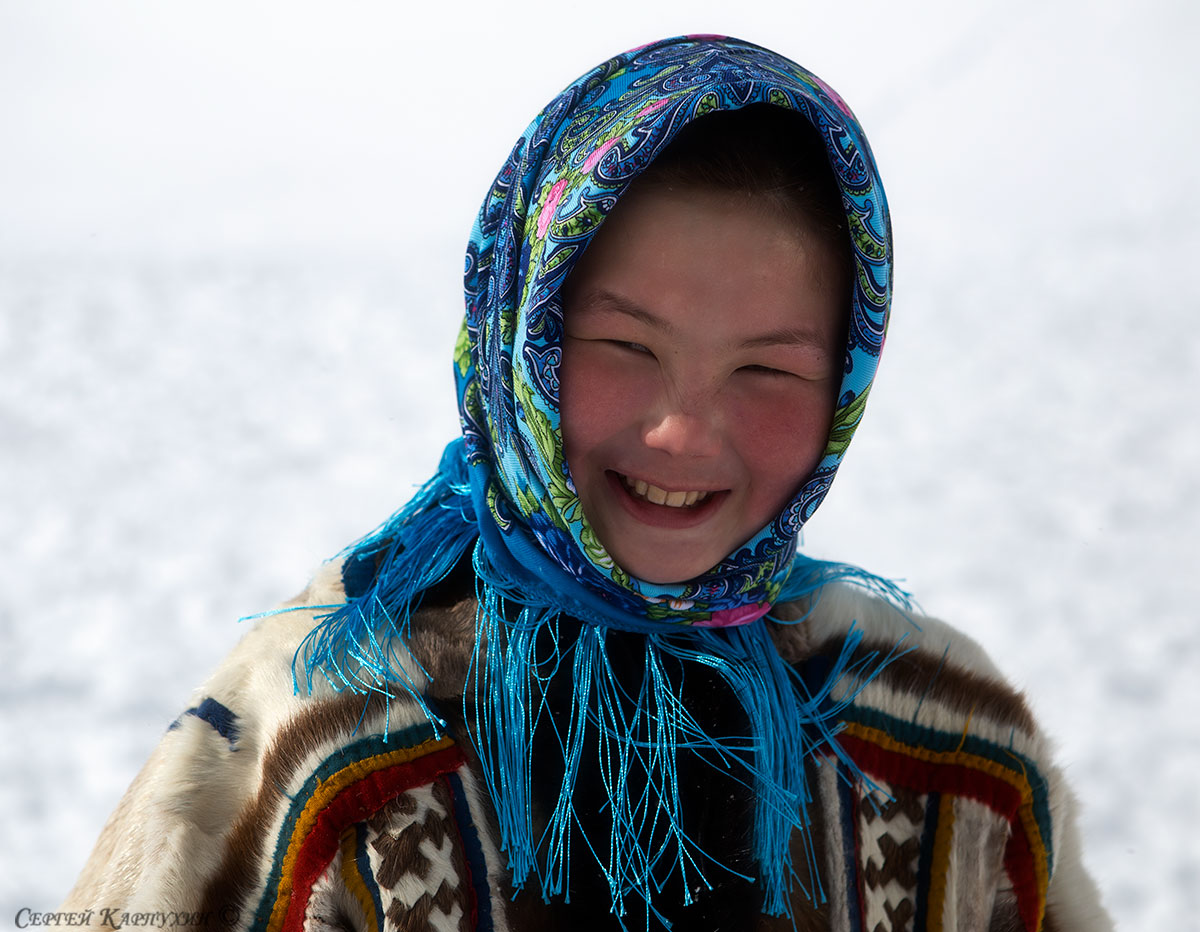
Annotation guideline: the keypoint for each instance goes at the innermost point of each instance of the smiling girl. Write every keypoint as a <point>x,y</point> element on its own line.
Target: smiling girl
<point>584,677</point>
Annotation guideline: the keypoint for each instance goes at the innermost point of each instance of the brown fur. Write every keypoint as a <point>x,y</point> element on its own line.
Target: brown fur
<point>443,642</point>
<point>328,721</point>
<point>919,673</point>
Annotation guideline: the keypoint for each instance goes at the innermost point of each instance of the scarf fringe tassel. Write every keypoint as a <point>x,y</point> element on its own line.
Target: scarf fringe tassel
<point>635,740</point>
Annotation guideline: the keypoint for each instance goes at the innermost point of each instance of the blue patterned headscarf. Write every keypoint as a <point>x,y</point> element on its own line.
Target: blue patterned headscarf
<point>504,488</point>
<point>565,173</point>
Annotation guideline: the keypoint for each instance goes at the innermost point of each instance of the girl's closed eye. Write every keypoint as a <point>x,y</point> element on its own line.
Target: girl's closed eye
<point>804,372</point>
<point>616,343</point>
<point>756,369</point>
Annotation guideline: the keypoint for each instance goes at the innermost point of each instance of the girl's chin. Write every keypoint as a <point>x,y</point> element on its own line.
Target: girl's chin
<point>652,568</point>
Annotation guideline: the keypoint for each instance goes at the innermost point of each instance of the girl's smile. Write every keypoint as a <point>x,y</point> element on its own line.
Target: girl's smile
<point>647,491</point>
<point>659,507</point>
<point>700,367</point>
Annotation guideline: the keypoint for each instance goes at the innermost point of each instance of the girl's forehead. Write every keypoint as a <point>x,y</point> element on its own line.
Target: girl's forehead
<point>678,261</point>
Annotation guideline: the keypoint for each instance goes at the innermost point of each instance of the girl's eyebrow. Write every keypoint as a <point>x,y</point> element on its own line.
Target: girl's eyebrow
<point>789,336</point>
<point>603,300</point>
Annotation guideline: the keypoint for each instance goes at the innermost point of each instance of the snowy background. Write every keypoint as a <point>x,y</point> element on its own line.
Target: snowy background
<point>230,250</point>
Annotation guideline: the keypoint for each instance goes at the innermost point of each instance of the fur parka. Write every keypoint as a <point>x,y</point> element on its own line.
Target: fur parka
<point>264,808</point>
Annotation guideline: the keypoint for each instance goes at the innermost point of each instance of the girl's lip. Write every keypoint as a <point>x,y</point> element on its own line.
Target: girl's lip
<point>664,516</point>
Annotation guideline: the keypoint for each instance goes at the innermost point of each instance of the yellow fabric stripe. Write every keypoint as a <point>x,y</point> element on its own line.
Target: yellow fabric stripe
<point>322,796</point>
<point>965,759</point>
<point>939,868</point>
<point>353,878</point>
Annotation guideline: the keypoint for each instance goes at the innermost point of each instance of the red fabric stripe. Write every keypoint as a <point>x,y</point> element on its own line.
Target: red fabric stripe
<point>1018,861</point>
<point>928,777</point>
<point>358,801</point>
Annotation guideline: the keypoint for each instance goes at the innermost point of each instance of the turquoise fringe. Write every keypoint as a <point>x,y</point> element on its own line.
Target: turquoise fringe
<point>361,646</point>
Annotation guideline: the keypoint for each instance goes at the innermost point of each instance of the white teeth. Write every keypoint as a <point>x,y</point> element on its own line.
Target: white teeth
<point>653,493</point>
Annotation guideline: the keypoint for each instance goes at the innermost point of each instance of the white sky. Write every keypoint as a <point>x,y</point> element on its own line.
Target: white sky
<point>138,125</point>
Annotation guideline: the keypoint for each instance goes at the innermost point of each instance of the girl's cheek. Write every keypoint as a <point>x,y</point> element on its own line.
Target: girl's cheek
<point>782,428</point>
<point>600,389</point>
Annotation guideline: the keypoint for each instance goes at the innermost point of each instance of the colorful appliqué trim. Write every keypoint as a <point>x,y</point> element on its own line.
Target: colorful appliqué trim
<point>962,765</point>
<point>348,787</point>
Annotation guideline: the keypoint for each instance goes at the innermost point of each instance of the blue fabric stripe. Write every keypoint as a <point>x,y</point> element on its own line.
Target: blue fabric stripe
<point>473,852</point>
<point>363,861</point>
<point>221,718</point>
<point>847,813</point>
<point>925,859</point>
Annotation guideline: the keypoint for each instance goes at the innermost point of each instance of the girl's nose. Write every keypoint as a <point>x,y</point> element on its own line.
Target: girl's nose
<point>680,432</point>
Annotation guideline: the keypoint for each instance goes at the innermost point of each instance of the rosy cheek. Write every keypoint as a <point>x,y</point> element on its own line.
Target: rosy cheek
<point>782,429</point>
<point>598,395</point>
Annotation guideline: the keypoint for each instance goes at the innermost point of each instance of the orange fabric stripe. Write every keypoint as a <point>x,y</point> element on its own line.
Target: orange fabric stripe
<point>353,879</point>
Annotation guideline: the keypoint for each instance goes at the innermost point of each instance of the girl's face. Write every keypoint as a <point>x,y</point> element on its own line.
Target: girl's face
<point>702,358</point>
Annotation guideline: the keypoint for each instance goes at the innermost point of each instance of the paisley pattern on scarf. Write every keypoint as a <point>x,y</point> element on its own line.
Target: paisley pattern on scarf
<point>563,176</point>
